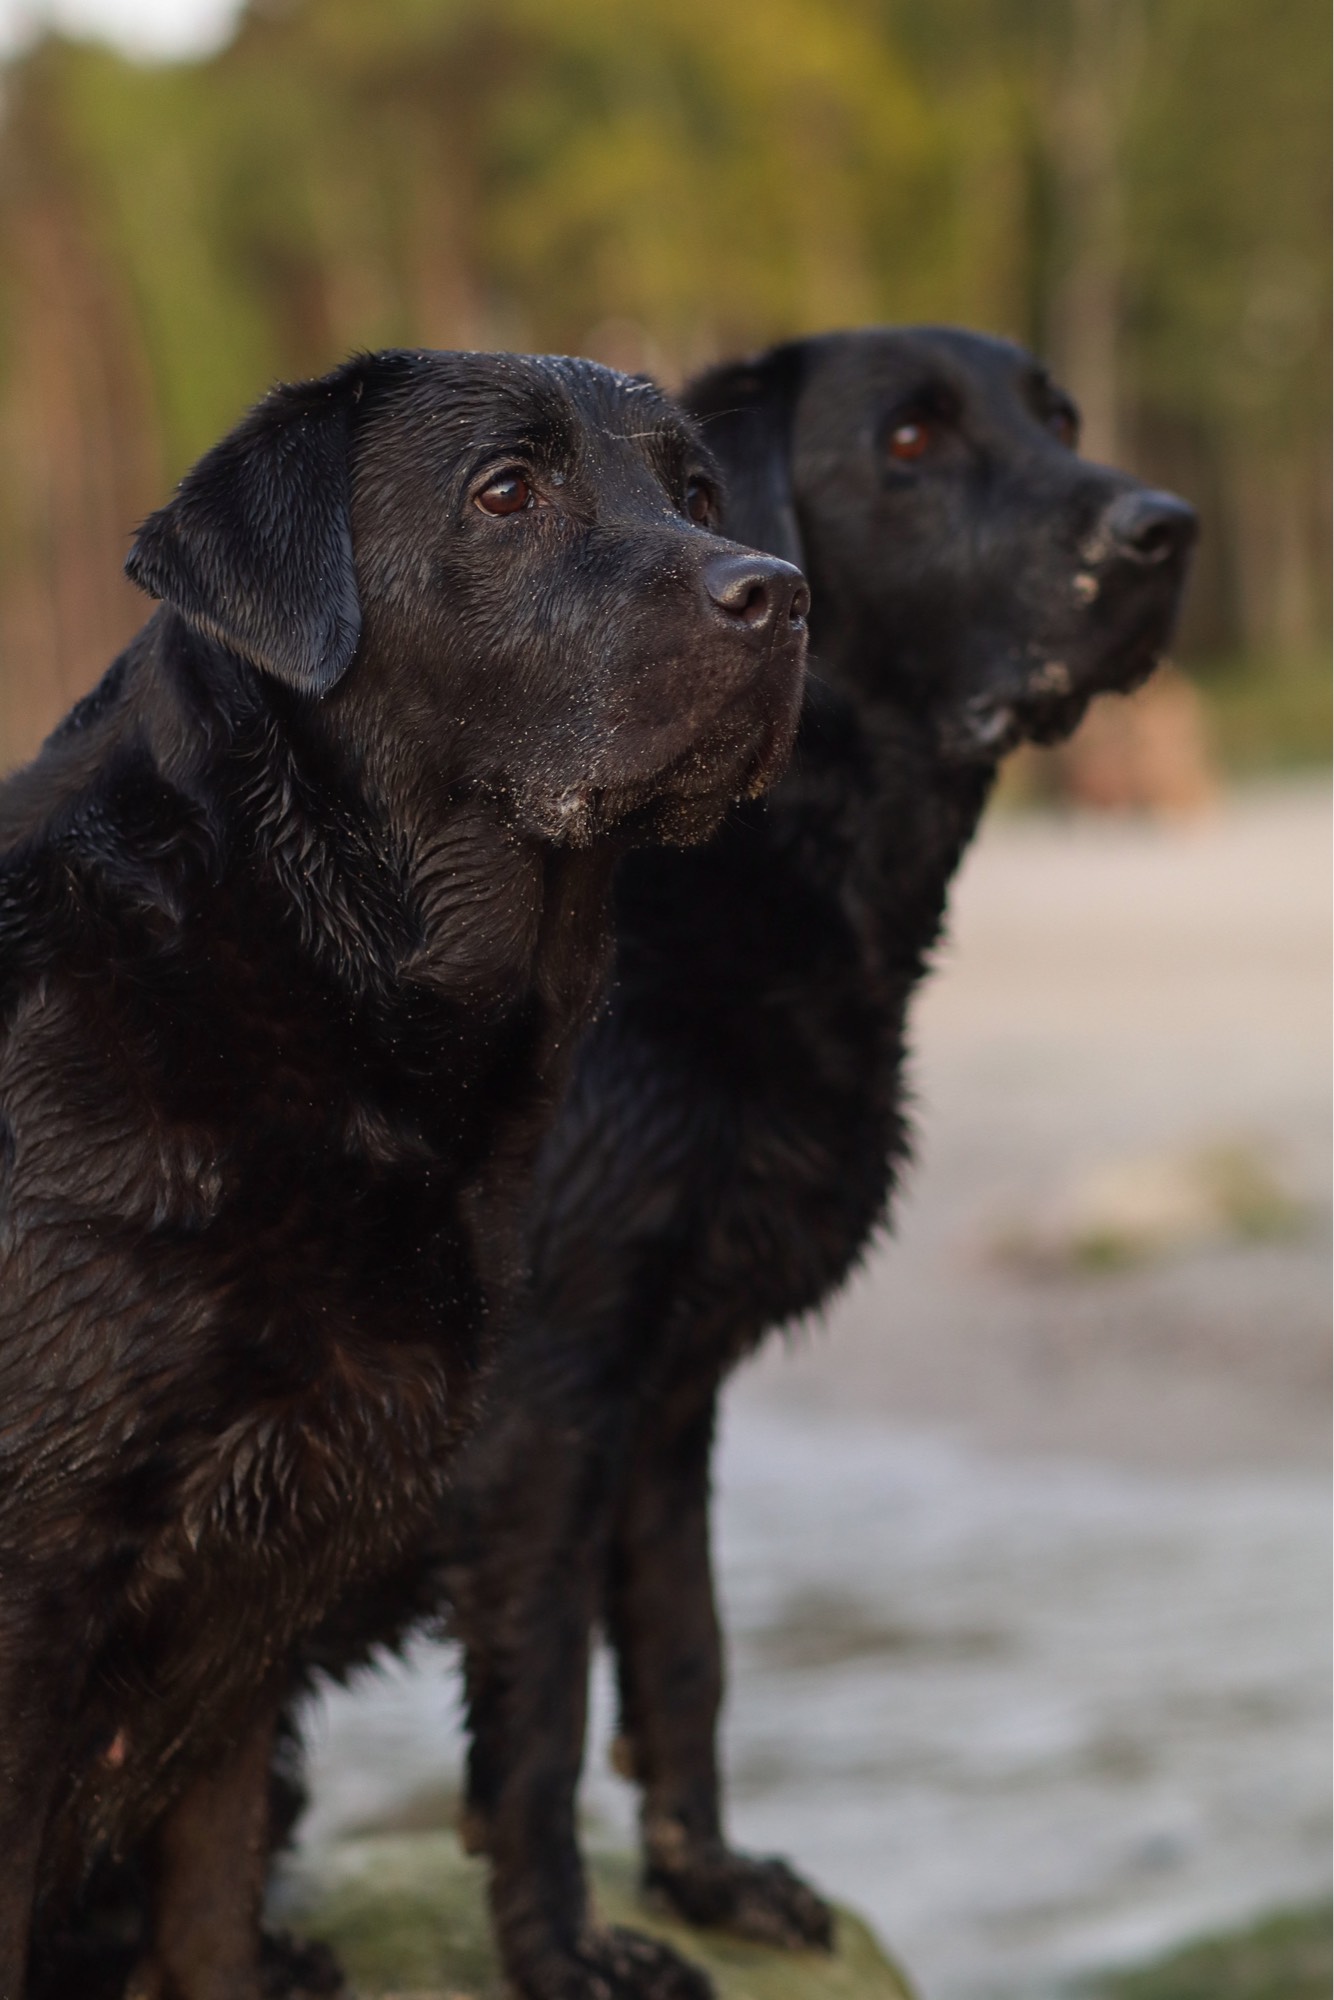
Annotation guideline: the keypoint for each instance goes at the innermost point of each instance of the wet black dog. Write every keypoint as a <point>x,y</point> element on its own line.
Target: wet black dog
<point>298,913</point>
<point>736,1121</point>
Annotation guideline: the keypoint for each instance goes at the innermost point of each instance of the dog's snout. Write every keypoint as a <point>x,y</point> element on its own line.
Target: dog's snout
<point>1148,527</point>
<point>759,592</point>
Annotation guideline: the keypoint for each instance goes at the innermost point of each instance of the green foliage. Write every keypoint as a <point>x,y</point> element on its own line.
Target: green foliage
<point>1271,714</point>
<point>720,175</point>
<point>662,182</point>
<point>684,169</point>
<point>1230,216</point>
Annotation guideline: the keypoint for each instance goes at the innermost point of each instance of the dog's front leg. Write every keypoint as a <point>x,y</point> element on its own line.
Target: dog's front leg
<point>34,1715</point>
<point>664,1625</point>
<point>210,1862</point>
<point>525,1606</point>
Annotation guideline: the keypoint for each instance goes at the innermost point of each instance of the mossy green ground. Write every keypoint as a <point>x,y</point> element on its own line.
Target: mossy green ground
<point>406,1914</point>
<point>1287,1957</point>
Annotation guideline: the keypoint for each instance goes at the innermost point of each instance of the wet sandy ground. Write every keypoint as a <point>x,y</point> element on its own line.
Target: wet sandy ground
<point>1113,993</point>
<point>1026,1562</point>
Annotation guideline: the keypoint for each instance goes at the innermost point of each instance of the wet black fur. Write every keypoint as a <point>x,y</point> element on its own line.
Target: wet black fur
<point>300,912</point>
<point>736,1123</point>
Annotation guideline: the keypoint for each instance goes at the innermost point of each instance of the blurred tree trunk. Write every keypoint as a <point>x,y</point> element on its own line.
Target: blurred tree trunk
<point>78,436</point>
<point>1280,548</point>
<point>1092,84</point>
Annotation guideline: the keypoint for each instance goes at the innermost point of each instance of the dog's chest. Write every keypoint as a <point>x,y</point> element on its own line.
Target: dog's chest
<point>333,1310</point>
<point>355,1286</point>
<point>300,1498</point>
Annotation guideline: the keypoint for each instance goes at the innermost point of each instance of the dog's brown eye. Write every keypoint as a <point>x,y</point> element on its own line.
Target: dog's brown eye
<point>910,440</point>
<point>699,502</point>
<point>1064,426</point>
<point>509,494</point>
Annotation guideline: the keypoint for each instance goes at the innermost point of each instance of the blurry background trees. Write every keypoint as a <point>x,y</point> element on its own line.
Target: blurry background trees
<point>1139,188</point>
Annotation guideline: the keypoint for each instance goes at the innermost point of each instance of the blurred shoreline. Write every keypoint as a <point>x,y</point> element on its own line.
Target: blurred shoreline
<point>1120,1001</point>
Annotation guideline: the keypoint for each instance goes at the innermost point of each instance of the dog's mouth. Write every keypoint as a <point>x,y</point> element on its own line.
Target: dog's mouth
<point>676,790</point>
<point>989,726</point>
<point>683,799</point>
<point>1045,701</point>
<point>681,803</point>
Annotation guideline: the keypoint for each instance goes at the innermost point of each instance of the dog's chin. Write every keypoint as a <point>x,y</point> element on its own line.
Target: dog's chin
<point>980,732</point>
<point>1046,708</point>
<point>1049,722</point>
<point>1048,719</point>
<point>740,764</point>
<point>681,801</point>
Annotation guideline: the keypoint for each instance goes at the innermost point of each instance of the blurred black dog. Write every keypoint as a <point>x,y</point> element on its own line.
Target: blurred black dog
<point>736,1120</point>
<point>298,912</point>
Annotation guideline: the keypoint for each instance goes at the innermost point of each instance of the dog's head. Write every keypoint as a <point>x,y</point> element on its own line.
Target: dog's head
<point>496,571</point>
<point>964,559</point>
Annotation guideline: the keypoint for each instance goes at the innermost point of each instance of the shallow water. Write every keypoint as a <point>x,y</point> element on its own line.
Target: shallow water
<point>1031,1718</point>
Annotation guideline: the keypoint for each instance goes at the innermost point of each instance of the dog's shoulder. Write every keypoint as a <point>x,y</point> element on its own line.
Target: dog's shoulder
<point>101,857</point>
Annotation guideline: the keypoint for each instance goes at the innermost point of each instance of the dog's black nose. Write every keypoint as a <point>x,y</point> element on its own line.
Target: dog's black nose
<point>758,591</point>
<point>1147,527</point>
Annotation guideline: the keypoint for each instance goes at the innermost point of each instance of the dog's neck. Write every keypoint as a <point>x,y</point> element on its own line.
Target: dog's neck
<point>400,878</point>
<point>907,814</point>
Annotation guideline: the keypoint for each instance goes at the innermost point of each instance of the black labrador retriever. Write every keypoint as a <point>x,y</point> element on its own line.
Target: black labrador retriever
<point>736,1120</point>
<point>299,912</point>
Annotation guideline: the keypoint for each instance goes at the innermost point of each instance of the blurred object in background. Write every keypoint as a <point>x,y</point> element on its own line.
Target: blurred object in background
<point>1139,1209</point>
<point>1137,191</point>
<point>1147,754</point>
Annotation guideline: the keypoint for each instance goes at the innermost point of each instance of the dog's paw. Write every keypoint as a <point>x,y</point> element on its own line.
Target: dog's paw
<point>612,1963</point>
<point>294,1969</point>
<point>760,1899</point>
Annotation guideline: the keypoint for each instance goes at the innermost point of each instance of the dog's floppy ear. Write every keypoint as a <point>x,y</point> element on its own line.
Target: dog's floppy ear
<point>256,547</point>
<point>745,409</point>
